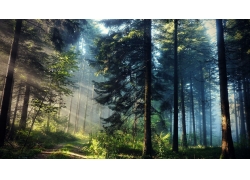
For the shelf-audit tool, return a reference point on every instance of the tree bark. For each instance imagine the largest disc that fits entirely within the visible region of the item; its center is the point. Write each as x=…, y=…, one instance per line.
x=247, y=108
x=235, y=115
x=171, y=125
x=100, y=115
x=86, y=109
x=184, y=134
x=22, y=123
x=200, y=120
x=192, y=107
x=147, y=144
x=242, y=117
x=134, y=132
x=70, y=110
x=227, y=142
x=175, y=129
x=7, y=92
x=204, y=128
x=12, y=129
x=210, y=111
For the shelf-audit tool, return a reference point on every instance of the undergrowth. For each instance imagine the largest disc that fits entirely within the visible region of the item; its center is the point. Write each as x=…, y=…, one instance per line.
x=117, y=145
x=101, y=145
x=37, y=141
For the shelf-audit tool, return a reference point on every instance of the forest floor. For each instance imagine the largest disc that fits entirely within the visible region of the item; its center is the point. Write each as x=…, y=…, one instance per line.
x=59, y=145
x=69, y=150
x=50, y=145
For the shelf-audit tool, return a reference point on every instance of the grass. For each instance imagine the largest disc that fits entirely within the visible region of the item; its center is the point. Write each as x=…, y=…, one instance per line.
x=61, y=154
x=194, y=153
x=37, y=142
x=67, y=146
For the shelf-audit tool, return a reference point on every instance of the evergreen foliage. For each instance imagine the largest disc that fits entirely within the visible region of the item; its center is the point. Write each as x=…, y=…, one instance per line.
x=146, y=89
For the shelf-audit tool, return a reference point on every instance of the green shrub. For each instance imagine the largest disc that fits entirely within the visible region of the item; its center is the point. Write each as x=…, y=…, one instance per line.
x=161, y=144
x=117, y=145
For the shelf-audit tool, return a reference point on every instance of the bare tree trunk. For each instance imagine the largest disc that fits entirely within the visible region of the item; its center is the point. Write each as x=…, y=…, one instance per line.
x=175, y=133
x=204, y=130
x=77, y=110
x=78, y=106
x=12, y=129
x=79, y=98
x=171, y=124
x=70, y=110
x=86, y=109
x=242, y=118
x=9, y=113
x=192, y=106
x=147, y=144
x=210, y=110
x=22, y=123
x=92, y=104
x=184, y=135
x=190, y=124
x=227, y=141
x=247, y=108
x=235, y=114
x=200, y=119
x=7, y=92
x=100, y=115
x=135, y=122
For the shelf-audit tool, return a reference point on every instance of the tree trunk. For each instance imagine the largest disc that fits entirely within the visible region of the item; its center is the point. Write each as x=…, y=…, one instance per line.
x=171, y=125
x=9, y=113
x=100, y=115
x=192, y=108
x=49, y=113
x=92, y=107
x=242, y=118
x=7, y=91
x=79, y=97
x=227, y=142
x=147, y=144
x=12, y=129
x=86, y=108
x=190, y=124
x=70, y=110
x=184, y=134
x=134, y=133
x=204, y=128
x=235, y=114
x=200, y=119
x=247, y=109
x=175, y=133
x=22, y=123
x=77, y=110
x=210, y=111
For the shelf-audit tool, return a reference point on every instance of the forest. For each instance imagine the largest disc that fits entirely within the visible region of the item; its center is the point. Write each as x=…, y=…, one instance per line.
x=124, y=89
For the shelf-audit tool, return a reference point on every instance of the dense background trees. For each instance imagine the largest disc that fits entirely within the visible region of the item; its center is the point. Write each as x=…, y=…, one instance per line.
x=146, y=86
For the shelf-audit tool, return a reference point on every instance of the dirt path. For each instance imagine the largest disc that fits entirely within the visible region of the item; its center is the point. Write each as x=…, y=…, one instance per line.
x=62, y=151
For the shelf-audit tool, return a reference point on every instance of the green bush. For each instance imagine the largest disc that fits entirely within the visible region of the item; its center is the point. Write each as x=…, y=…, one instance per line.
x=161, y=144
x=117, y=145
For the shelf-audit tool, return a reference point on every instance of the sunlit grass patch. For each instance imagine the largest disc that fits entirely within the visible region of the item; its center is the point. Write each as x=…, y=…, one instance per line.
x=61, y=154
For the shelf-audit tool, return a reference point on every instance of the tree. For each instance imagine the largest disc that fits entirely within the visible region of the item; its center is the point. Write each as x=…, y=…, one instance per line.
x=9, y=82
x=227, y=142
x=194, y=55
x=192, y=109
x=147, y=147
x=22, y=124
x=184, y=135
x=175, y=133
x=237, y=39
x=124, y=59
